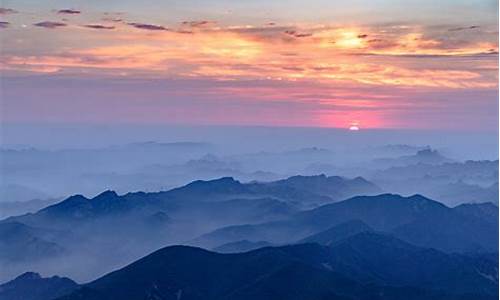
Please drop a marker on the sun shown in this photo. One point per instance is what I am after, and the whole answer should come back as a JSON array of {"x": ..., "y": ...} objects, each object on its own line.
[{"x": 354, "y": 126}]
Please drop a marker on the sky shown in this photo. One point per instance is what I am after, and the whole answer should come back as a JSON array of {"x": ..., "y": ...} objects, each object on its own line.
[{"x": 377, "y": 64}]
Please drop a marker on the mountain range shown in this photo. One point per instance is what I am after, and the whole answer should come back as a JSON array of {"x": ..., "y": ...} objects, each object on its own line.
[
  {"x": 304, "y": 237},
  {"x": 140, "y": 222},
  {"x": 363, "y": 266},
  {"x": 416, "y": 219}
]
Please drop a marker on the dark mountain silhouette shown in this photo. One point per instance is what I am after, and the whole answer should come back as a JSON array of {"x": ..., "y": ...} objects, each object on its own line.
[
  {"x": 383, "y": 259},
  {"x": 226, "y": 186},
  {"x": 305, "y": 271},
  {"x": 31, "y": 286}
]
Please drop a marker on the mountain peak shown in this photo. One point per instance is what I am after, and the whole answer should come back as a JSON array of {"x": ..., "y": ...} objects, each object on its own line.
[
  {"x": 422, "y": 200},
  {"x": 106, "y": 194},
  {"x": 219, "y": 182},
  {"x": 303, "y": 177},
  {"x": 28, "y": 276},
  {"x": 360, "y": 179},
  {"x": 215, "y": 186},
  {"x": 428, "y": 152}
]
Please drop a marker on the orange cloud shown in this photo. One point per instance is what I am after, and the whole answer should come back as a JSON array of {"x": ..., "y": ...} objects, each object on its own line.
[{"x": 394, "y": 56}]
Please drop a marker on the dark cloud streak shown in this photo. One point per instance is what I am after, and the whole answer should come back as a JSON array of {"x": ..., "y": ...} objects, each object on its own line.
[
  {"x": 50, "y": 24},
  {"x": 69, "y": 11},
  {"x": 297, "y": 34},
  {"x": 148, "y": 26},
  {"x": 197, "y": 24},
  {"x": 99, "y": 26},
  {"x": 463, "y": 28}
]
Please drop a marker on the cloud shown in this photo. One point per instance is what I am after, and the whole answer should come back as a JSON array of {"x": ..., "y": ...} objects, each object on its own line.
[
  {"x": 385, "y": 55},
  {"x": 297, "y": 34},
  {"x": 99, "y": 26},
  {"x": 68, "y": 11},
  {"x": 6, "y": 11},
  {"x": 463, "y": 28},
  {"x": 148, "y": 26},
  {"x": 198, "y": 23},
  {"x": 184, "y": 31},
  {"x": 4, "y": 24},
  {"x": 50, "y": 24}
]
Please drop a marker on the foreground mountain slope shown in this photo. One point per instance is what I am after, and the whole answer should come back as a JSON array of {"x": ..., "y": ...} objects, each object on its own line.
[
  {"x": 384, "y": 259},
  {"x": 305, "y": 271}
]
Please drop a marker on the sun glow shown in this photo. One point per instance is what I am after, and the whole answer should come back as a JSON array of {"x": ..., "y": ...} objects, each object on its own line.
[
  {"x": 350, "y": 39},
  {"x": 354, "y": 126}
]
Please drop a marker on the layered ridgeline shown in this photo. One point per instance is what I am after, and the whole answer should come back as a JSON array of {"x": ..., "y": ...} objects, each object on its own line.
[
  {"x": 150, "y": 166},
  {"x": 415, "y": 219},
  {"x": 110, "y": 230},
  {"x": 268, "y": 241}
]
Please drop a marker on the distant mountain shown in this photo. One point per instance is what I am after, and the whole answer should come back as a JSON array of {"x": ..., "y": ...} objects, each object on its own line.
[
  {"x": 207, "y": 167},
  {"x": 415, "y": 219},
  {"x": 451, "y": 183},
  {"x": 334, "y": 187},
  {"x": 306, "y": 271},
  {"x": 424, "y": 156},
  {"x": 224, "y": 187},
  {"x": 15, "y": 208},
  {"x": 19, "y": 243},
  {"x": 19, "y": 193},
  {"x": 337, "y": 233},
  {"x": 396, "y": 149},
  {"x": 485, "y": 171},
  {"x": 31, "y": 286},
  {"x": 461, "y": 192},
  {"x": 240, "y": 246},
  {"x": 315, "y": 190},
  {"x": 284, "y": 162},
  {"x": 36, "y": 173}
]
